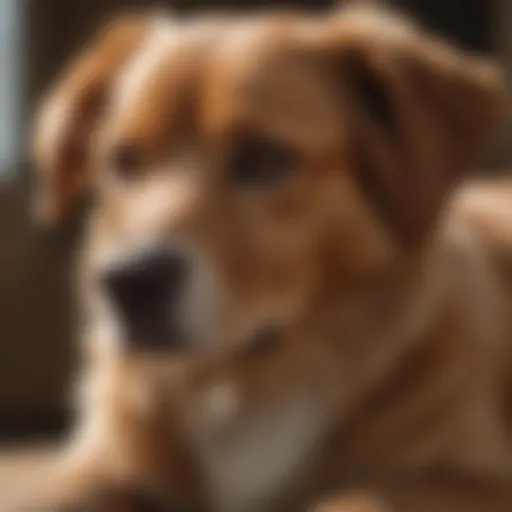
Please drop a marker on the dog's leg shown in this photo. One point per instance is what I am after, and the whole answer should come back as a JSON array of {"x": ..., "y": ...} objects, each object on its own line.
[
  {"x": 74, "y": 478},
  {"x": 117, "y": 499},
  {"x": 353, "y": 503},
  {"x": 63, "y": 487},
  {"x": 83, "y": 488},
  {"x": 83, "y": 479}
]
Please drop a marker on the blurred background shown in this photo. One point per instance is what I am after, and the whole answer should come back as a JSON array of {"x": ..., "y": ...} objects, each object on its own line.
[{"x": 36, "y": 305}]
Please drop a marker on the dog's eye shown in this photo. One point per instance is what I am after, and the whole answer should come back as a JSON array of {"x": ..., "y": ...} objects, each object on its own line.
[
  {"x": 260, "y": 162},
  {"x": 125, "y": 160}
]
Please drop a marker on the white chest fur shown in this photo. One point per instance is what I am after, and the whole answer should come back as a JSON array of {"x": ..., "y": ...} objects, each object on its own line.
[{"x": 250, "y": 464}]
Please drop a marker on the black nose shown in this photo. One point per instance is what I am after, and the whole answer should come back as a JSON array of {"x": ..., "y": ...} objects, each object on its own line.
[{"x": 143, "y": 290}]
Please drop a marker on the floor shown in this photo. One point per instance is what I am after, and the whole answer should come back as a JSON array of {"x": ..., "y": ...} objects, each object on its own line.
[{"x": 22, "y": 471}]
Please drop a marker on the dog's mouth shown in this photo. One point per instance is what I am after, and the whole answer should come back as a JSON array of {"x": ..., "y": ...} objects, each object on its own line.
[{"x": 155, "y": 332}]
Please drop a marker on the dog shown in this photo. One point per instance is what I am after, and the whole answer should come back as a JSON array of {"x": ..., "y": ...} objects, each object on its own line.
[{"x": 288, "y": 276}]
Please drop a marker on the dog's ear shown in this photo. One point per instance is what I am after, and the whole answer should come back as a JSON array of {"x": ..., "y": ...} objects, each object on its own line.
[
  {"x": 419, "y": 110},
  {"x": 67, "y": 114}
]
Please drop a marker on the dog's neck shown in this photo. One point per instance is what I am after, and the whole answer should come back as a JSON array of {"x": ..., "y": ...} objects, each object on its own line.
[{"x": 324, "y": 369}]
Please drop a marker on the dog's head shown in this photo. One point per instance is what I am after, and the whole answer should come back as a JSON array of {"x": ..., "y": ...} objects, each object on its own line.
[{"x": 240, "y": 165}]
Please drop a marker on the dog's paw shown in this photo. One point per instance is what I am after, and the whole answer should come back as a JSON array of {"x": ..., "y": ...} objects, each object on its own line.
[
  {"x": 353, "y": 503},
  {"x": 116, "y": 501}
]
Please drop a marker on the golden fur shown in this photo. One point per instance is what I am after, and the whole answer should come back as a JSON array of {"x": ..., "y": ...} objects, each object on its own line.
[{"x": 389, "y": 292}]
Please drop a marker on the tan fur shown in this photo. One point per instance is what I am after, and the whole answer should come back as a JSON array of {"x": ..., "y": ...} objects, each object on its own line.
[{"x": 389, "y": 293}]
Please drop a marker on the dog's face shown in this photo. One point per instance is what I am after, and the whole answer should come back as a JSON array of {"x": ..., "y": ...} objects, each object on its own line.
[{"x": 240, "y": 167}]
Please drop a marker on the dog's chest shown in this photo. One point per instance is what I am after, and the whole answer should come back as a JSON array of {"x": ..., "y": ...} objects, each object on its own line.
[{"x": 253, "y": 466}]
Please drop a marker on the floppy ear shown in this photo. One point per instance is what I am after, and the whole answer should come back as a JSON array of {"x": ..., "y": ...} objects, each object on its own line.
[
  {"x": 419, "y": 112},
  {"x": 68, "y": 113}
]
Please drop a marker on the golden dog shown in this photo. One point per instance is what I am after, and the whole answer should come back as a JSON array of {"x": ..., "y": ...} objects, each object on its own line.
[{"x": 283, "y": 285}]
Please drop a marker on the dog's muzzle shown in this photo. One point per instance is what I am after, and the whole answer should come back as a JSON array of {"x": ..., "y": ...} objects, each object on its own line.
[{"x": 144, "y": 290}]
